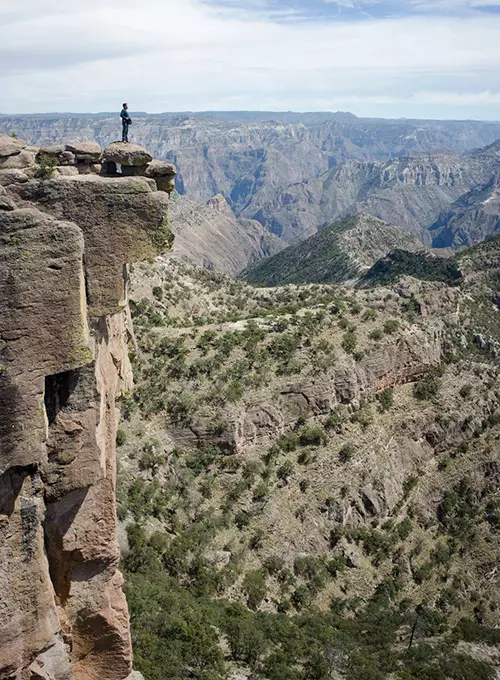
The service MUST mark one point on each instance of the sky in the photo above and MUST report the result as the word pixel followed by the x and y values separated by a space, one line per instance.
pixel 388 58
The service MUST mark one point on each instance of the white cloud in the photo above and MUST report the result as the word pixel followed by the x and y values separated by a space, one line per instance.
pixel 164 55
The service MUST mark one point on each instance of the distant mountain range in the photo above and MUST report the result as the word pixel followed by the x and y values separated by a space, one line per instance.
pixel 296 173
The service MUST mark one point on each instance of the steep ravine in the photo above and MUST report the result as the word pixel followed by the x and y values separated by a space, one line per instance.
pixel 65 242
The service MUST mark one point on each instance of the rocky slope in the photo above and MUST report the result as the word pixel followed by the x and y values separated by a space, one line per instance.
pixel 471 219
pixel 309 476
pixel 295 173
pixel 211 236
pixel 66 236
pixel 338 253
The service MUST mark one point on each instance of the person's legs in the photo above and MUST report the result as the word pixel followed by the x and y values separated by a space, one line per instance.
pixel 124 132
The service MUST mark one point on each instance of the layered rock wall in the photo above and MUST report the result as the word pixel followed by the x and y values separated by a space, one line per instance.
pixel 64 247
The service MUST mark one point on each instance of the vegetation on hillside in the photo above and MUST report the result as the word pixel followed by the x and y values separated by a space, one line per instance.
pixel 337 253
pixel 351 540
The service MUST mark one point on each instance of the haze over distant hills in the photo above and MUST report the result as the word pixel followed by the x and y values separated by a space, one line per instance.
pixel 297 172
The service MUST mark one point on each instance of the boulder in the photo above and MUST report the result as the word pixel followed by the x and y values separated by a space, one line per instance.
pixel 66 170
pixel 19 161
pixel 160 169
pixel 85 151
pixel 6 203
pixel 52 150
pixel 10 146
pixel 67 158
pixel 9 177
pixel 127 154
pixel 135 675
pixel 163 174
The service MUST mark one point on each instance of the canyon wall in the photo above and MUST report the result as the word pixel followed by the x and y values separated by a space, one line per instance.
pixel 65 241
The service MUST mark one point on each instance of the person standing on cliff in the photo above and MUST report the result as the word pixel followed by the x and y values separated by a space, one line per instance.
pixel 126 121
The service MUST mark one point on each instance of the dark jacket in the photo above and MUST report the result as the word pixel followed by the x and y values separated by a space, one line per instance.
pixel 126 119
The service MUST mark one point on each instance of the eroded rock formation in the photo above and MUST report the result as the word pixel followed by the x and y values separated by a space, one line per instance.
pixel 65 243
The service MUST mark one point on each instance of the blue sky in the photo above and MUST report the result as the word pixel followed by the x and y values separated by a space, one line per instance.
pixel 391 58
pixel 356 10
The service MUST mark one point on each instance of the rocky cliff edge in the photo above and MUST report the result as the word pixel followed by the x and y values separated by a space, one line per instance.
pixel 71 219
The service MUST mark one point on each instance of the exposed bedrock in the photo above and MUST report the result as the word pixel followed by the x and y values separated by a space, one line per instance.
pixel 64 247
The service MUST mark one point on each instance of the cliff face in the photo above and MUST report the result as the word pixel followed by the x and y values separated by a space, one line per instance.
pixel 64 246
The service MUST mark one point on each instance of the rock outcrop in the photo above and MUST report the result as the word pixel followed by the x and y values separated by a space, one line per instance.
pixel 65 242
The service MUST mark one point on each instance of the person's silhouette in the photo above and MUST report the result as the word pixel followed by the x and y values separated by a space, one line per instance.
pixel 126 121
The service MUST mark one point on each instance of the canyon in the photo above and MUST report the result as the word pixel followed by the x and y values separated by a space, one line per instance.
pixel 296 173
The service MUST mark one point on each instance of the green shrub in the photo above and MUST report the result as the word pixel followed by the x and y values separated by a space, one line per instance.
pixel 256 540
pixel 158 292
pixel 471 631
pixel 427 388
pixel 376 334
pixel 285 471
pixel 336 565
pixel 312 435
pixel 404 528
pixel 121 437
pixel 465 391
pixel 254 587
pixel 304 485
pixel 349 341
pixel 273 564
pixel 201 459
pixel 391 326
pixel 386 399
pixel 347 452
pixel 288 441
pixel 260 492
pixel 46 167
pixel 302 597
pixel 335 421
pixel 180 408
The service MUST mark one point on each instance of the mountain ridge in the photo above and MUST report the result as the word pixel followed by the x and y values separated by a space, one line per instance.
pixel 339 253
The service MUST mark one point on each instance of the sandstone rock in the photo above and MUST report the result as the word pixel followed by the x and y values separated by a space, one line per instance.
pixel 52 150
pixel 24 159
pixel 40 261
pixel 6 203
pixel 67 158
pixel 127 154
pixel 28 620
pixel 8 177
pixel 133 170
pixel 304 400
pixel 54 663
pixel 83 168
pixel 66 170
pixel 164 175
pixel 96 168
pixel 135 675
pixel 220 204
pixel 260 421
pixel 63 613
pixel 10 146
pixel 97 205
pixel 160 169
pixel 85 151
